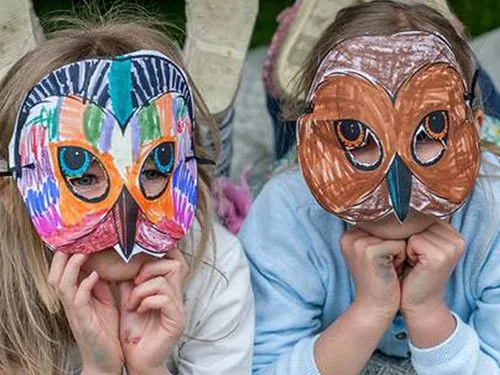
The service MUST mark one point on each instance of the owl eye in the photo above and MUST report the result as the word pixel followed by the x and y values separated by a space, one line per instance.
pixel 164 157
pixel 436 124
pixel 74 161
pixel 430 138
pixel 360 144
pixel 156 170
pixel 351 133
pixel 83 173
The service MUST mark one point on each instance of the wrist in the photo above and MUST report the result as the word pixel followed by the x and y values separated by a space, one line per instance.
pixel 418 313
pixel 370 316
pixel 373 315
pixel 429 327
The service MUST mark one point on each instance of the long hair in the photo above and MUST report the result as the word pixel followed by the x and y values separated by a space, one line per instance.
pixel 34 334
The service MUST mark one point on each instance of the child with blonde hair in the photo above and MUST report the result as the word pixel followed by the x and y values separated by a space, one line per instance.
pixel 109 258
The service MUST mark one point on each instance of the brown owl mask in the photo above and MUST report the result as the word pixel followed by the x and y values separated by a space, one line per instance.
pixel 389 128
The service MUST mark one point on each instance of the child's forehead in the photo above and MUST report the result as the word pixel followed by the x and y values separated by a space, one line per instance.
pixel 388 60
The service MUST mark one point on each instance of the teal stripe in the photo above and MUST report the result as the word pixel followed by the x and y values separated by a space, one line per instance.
pixel 120 90
pixel 399 183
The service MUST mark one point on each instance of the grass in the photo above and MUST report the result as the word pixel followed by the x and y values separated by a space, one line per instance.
pixel 479 16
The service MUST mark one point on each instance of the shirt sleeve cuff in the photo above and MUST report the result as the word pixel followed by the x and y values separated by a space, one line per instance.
pixel 307 363
pixel 462 343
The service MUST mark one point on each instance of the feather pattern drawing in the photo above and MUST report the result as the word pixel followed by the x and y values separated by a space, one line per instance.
pixel 126 123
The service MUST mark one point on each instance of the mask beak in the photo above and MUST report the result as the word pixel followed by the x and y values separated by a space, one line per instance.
pixel 399 182
pixel 125 215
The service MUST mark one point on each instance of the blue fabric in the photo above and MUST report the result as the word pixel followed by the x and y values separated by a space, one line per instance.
pixel 302 284
pixel 285 132
pixel 489 93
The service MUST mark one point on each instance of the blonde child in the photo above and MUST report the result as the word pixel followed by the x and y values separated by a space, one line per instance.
pixel 384 245
pixel 120 265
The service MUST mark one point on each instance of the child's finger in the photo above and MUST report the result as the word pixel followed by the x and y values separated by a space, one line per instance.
pixel 158 268
pixel 57 266
pixel 164 303
pixel 125 289
pixel 157 286
pixel 392 248
pixel 102 292
pixel 68 283
pixel 434 239
pixel 175 270
pixel 417 248
pixel 399 259
pixel 83 293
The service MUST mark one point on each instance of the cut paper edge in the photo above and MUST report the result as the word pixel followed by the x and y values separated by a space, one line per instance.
pixel 137 250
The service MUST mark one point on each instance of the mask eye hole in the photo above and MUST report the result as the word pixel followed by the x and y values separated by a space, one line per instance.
pixel 156 170
pixel 430 138
pixel 83 173
pixel 360 144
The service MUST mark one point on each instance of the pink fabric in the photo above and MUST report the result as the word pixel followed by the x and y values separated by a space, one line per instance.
pixel 232 201
pixel 285 19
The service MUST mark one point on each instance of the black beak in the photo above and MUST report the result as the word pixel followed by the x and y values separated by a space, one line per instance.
pixel 125 215
pixel 399 182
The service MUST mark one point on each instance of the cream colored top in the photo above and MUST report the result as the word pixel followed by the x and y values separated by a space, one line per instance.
pixel 220 321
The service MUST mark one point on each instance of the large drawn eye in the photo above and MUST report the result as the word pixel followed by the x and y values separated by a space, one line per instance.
pixel 436 124
pixel 83 173
pixel 164 156
pixel 351 133
pixel 74 161
pixel 430 138
pixel 156 170
pixel 360 144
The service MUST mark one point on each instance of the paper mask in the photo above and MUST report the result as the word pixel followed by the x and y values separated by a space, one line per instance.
pixel 102 154
pixel 389 129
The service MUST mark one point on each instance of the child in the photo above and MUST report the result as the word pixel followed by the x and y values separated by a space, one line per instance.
pixel 104 150
pixel 300 27
pixel 409 264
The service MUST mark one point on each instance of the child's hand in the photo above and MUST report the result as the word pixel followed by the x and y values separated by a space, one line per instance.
pixel 433 254
pixel 373 264
pixel 90 310
pixel 152 314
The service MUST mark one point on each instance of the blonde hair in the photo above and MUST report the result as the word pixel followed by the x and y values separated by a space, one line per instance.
pixel 34 333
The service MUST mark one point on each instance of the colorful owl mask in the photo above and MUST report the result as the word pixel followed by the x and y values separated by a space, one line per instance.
pixel 103 155
pixel 389 128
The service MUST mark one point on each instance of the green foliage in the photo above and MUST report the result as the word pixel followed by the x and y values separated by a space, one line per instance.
pixel 479 16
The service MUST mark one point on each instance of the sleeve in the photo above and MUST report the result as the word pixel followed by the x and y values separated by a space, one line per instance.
pixel 473 348
pixel 223 340
pixel 289 294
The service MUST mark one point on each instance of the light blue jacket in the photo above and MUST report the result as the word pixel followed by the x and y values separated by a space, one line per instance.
pixel 302 284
